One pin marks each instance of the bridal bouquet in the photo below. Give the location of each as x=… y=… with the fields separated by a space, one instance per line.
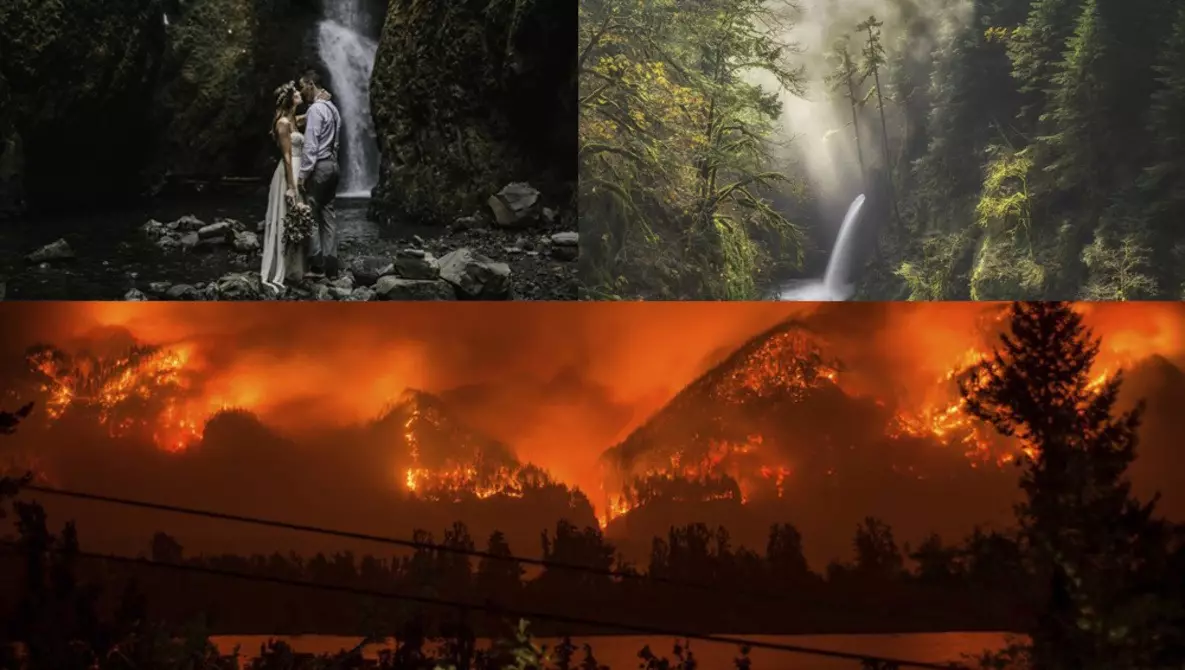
x=298 y=224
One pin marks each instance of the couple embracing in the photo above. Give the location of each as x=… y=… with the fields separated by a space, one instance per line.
x=300 y=231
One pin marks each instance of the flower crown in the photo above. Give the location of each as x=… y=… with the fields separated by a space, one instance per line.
x=284 y=93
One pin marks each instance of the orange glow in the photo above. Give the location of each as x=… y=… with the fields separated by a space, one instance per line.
x=559 y=383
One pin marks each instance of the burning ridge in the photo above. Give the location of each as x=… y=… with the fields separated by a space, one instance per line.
x=443 y=458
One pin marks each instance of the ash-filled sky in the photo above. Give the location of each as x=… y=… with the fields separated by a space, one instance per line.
x=558 y=382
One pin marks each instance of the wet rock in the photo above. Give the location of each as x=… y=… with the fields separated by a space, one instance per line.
x=189 y=241
x=475 y=276
x=517 y=204
x=217 y=229
x=565 y=246
x=183 y=292
x=154 y=230
x=468 y=223
x=169 y=242
x=416 y=264
x=188 y=224
x=245 y=242
x=135 y=295
x=237 y=286
x=550 y=215
x=346 y=282
x=58 y=250
x=361 y=294
x=566 y=239
x=368 y=269
x=321 y=293
x=398 y=288
x=159 y=288
x=340 y=293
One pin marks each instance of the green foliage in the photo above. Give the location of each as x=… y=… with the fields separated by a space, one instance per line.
x=1004 y=203
x=1005 y=270
x=468 y=96
x=1055 y=126
x=940 y=271
x=675 y=159
x=1120 y=269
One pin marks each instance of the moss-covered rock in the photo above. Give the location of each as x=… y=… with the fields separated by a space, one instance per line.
x=99 y=97
x=78 y=79
x=224 y=59
x=469 y=95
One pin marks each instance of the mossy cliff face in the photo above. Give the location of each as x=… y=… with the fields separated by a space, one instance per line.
x=99 y=98
x=76 y=84
x=224 y=60
x=469 y=95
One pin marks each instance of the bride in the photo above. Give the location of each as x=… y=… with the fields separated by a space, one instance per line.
x=280 y=263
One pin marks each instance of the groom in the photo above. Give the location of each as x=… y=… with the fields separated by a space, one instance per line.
x=319 y=172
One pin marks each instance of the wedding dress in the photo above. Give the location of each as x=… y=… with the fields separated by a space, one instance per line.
x=280 y=263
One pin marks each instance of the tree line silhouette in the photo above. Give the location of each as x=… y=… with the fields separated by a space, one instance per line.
x=1093 y=577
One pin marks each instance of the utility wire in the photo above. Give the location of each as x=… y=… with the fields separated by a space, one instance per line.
x=402 y=542
x=492 y=608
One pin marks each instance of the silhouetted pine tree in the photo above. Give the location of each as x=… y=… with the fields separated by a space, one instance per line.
x=1089 y=539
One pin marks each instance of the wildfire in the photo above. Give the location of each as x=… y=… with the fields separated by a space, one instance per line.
x=466 y=473
x=140 y=390
x=787 y=367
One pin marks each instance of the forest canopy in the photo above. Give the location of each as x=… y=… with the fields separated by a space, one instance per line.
x=1009 y=149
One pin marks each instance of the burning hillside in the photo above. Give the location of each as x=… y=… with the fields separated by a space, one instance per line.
x=143 y=391
x=780 y=408
x=445 y=459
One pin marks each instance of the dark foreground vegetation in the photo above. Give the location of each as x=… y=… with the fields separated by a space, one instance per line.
x=1093 y=577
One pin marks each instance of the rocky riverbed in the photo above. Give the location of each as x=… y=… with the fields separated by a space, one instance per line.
x=513 y=249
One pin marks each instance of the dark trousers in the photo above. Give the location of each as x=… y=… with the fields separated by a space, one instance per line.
x=322 y=190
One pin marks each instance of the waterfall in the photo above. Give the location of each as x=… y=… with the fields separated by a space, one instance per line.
x=835 y=284
x=348 y=55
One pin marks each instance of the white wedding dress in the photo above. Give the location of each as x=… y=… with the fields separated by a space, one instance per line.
x=279 y=263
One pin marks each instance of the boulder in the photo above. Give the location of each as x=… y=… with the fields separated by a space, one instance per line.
x=217 y=229
x=237 y=286
x=416 y=264
x=246 y=242
x=183 y=292
x=565 y=246
x=368 y=269
x=398 y=288
x=517 y=204
x=58 y=250
x=475 y=276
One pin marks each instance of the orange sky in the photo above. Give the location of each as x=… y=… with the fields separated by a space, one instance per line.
x=562 y=381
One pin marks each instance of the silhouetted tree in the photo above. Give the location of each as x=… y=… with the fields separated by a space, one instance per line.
x=877 y=555
x=166 y=549
x=937 y=564
x=497 y=579
x=1090 y=540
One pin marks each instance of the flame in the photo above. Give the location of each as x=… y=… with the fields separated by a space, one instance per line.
x=460 y=478
x=141 y=389
x=788 y=365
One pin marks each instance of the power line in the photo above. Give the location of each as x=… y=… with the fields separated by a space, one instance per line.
x=491 y=608
x=402 y=542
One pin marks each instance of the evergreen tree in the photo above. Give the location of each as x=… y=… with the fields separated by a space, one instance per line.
x=1036 y=48
x=1161 y=188
x=1078 y=112
x=1089 y=539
